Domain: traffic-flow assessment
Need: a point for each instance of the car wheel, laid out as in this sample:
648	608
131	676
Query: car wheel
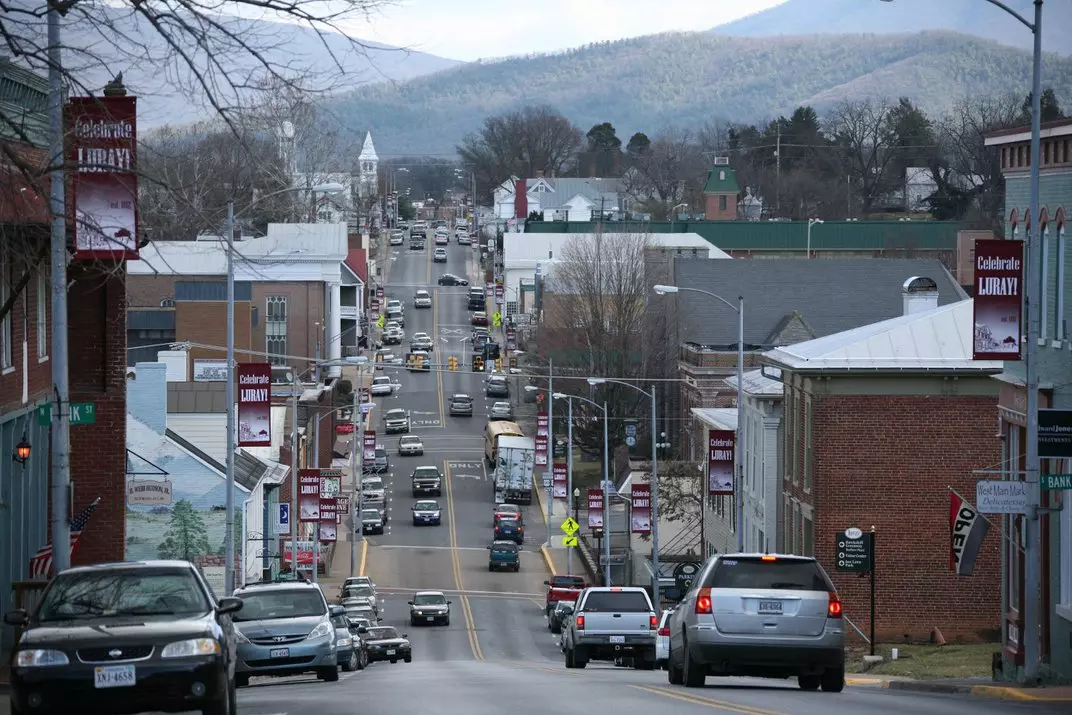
491	567
833	680
394	660
329	675
408	659
556	629
350	665
413	622
224	704
446	621
579	659
674	674
809	682
569	658
694	675
362	662
241	681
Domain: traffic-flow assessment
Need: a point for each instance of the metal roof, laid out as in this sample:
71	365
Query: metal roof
525	250
758	384
717	417
935	340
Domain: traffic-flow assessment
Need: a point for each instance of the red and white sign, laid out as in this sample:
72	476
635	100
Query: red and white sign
329	519
595	508
998	305
309	495
102	150
255	404
369	444
542	423
560	480
641	511
720	461
305	553
344	428
541	450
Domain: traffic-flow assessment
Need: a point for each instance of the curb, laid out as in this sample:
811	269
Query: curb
992	692
364	557
547	560
539	498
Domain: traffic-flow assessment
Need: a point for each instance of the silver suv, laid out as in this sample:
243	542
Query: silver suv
759	615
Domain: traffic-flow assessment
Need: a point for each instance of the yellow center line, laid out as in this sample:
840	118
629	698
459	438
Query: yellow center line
364	556
706	702
456	564
438	351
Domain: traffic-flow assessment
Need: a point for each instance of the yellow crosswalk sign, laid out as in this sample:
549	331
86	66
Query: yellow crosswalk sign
569	540
381	321
496	319
570	526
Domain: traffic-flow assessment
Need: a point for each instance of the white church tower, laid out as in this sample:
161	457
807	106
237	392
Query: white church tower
368	165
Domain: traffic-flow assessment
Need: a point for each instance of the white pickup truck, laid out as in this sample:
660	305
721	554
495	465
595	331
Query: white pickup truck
610	623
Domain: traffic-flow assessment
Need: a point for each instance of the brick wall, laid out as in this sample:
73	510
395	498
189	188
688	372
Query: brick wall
97	336
712	212
887	461
205	322
148	291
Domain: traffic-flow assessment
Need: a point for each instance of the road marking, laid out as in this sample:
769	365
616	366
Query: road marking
468	476
706	702
438	548
364	557
467	612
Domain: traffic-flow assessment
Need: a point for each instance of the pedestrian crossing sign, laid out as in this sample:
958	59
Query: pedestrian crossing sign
496	319
381	321
570	526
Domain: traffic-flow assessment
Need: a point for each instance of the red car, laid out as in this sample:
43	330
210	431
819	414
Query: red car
563	588
479	318
507	511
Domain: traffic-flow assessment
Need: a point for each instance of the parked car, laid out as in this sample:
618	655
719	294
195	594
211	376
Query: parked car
80	651
558	615
429	607
382	386
363	592
449	279
410	445
378	464
504	555
385	643
501	411
479	317
422	299
662	640
351	652
766	616
461	405
427	511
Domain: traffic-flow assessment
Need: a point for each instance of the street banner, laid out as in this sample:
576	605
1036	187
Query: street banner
330	482
489	289
329	519
999	271
541	450
966	529
500	294
255	404
102	149
641	501
595	508
543	421
309	494
370	444
720	448
560	480
344	428
343	504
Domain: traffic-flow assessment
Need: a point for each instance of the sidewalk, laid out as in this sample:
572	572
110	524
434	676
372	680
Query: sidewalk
975	688
554	557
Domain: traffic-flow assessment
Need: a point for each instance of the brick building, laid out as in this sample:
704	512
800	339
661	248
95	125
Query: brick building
721	194
879	422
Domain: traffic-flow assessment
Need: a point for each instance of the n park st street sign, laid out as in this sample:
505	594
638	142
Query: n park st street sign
78	413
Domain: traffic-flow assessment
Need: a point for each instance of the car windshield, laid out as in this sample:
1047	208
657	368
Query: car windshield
382	633
616	602
123	592
381	453
567	582
425	473
370	514
288	603
358	591
507	523
429	599
411	440
792	574
426	505
463	398
395	414
340	621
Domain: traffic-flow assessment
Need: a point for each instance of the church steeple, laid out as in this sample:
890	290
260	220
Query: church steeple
368	167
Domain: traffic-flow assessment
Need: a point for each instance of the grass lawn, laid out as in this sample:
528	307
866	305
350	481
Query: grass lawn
926	662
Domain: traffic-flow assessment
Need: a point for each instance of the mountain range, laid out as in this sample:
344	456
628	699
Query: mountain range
686	79
814	17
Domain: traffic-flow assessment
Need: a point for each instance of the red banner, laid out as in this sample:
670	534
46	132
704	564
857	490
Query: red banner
370	444
720	461
543	421
255	404
641	511
329	519
309	495
102	150
595	508
560	482
344	428
999	279
305	554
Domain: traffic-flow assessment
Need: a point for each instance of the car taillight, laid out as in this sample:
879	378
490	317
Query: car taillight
654	622
664	631
703	601
833	607
579	620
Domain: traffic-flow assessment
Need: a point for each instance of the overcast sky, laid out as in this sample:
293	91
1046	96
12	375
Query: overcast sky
474	29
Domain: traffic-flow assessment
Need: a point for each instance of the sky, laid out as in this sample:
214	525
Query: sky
474	29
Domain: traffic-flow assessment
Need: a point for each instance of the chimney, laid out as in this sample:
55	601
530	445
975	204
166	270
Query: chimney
147	395
920	294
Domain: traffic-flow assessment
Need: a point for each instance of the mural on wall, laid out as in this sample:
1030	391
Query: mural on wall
175	502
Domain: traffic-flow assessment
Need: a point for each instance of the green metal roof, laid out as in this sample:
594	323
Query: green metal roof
23	105
722	180
785	235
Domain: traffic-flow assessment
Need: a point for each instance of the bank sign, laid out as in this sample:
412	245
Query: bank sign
101	149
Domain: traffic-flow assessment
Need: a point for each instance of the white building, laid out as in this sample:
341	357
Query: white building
718	530
368	169
325	207
290	253
560	199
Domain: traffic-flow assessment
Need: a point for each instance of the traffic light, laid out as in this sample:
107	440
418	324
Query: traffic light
498	364
420	361
452	363
478	363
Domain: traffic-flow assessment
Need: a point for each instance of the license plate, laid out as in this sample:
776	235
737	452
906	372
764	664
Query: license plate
772	607
390	652
279	653
114	676
431	618
617	639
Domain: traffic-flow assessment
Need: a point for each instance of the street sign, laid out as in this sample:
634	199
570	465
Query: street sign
853	551
496	319
282	523
1051	482
630	434
79	413
570	541
684	575
570	526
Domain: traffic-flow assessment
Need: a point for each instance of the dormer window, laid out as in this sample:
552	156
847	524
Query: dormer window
722	175
167	302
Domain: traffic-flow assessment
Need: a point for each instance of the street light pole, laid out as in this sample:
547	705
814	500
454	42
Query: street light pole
654	501
294	477
811	222
229	539
549	472
355	513
606	497
569	473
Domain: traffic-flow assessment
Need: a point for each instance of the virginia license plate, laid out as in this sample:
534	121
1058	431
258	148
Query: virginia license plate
617	639
279	653
390	652
431	618
114	676
770	607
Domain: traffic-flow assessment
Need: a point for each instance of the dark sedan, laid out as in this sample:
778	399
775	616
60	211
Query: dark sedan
449	279
126	638
385	643
558	616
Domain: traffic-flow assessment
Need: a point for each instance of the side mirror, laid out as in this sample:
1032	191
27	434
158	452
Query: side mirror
362	629
229	605
379	620
489	547
410	602
405	635
449	602
18	617
337	611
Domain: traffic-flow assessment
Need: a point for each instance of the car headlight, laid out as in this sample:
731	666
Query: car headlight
41	657
241	637
190	648
324	629
344	642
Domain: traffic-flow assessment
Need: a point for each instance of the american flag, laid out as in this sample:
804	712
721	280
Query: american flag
41	563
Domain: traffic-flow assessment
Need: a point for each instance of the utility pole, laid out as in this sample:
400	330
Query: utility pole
316	455
569	473
294	520
359	465
229	538
549	472
61	432
355	523
778	172
654	507
606	496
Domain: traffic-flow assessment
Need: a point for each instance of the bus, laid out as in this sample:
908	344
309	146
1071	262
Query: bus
491	437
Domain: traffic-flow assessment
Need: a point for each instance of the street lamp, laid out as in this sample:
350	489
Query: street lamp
229	562
812	222
672	214
655	444
739	308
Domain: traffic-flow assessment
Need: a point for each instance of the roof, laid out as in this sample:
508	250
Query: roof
795	299
525	250
758	384
368	151
721	180
935	340
357	263
605	191
207	430
1013	135
717	417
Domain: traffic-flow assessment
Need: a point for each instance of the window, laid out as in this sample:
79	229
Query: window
808	545
807	443
42	315
275	329
167	302
754	573
5	293
616	602
796	528
722	203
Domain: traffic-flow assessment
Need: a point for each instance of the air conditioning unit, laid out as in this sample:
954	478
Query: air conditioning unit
722	161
